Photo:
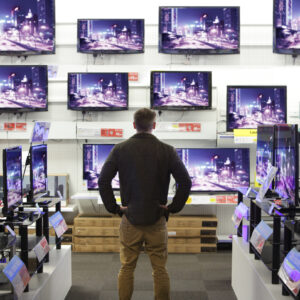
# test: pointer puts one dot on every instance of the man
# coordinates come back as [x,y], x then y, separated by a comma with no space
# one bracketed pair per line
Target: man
[144,164]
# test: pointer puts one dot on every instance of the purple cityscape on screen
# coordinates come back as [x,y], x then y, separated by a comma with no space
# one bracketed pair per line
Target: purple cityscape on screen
[217,169]
[39,169]
[180,89]
[287,24]
[286,161]
[23,87]
[111,35]
[98,90]
[250,107]
[199,28]
[14,176]
[94,157]
[27,26]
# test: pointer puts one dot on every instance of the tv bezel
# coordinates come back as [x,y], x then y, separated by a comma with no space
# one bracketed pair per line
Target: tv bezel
[252,86]
[83,152]
[225,191]
[6,209]
[41,52]
[182,108]
[198,51]
[296,202]
[21,110]
[95,52]
[97,108]
[32,195]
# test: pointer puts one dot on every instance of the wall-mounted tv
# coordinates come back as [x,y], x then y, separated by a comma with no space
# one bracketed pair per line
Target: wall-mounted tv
[264,151]
[286,26]
[38,171]
[94,156]
[172,90]
[110,36]
[287,161]
[23,88]
[27,27]
[199,30]
[12,178]
[250,106]
[98,91]
[217,169]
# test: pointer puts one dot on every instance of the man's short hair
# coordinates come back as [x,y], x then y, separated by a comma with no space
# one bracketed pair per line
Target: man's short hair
[144,119]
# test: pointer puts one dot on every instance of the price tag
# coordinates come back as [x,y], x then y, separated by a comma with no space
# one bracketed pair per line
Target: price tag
[189,200]
[9,126]
[21,126]
[111,132]
[58,223]
[133,76]
[189,127]
[245,136]
[41,249]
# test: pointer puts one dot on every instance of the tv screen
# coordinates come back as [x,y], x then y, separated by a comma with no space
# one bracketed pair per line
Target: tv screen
[27,27]
[38,170]
[199,30]
[23,88]
[94,156]
[264,152]
[110,36]
[12,181]
[286,159]
[218,169]
[98,91]
[286,27]
[40,132]
[180,90]
[250,106]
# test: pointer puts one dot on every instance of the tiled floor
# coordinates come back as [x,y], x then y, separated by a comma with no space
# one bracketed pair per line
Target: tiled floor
[205,276]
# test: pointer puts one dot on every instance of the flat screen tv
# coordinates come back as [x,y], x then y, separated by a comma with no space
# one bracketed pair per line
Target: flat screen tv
[94,156]
[287,160]
[110,36]
[250,106]
[264,152]
[27,27]
[199,30]
[97,91]
[172,90]
[38,171]
[12,179]
[217,169]
[286,26]
[23,88]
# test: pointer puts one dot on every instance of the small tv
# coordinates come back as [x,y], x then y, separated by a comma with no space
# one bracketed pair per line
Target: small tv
[12,179]
[94,156]
[172,90]
[264,151]
[287,162]
[38,171]
[110,36]
[23,88]
[217,169]
[250,106]
[27,27]
[40,132]
[286,14]
[199,30]
[98,91]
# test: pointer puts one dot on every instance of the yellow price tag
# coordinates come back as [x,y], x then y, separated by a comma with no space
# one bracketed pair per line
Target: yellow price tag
[189,200]
[213,200]
[118,199]
[245,132]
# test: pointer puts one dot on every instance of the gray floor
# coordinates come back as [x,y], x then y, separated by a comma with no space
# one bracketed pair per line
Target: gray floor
[204,276]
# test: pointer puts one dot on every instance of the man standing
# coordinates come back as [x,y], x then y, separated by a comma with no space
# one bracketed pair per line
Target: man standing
[144,164]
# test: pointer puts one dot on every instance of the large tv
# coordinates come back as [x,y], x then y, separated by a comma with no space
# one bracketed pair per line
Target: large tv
[217,169]
[286,14]
[23,88]
[110,36]
[12,179]
[97,91]
[27,27]
[172,90]
[287,161]
[264,151]
[94,157]
[38,171]
[250,106]
[199,30]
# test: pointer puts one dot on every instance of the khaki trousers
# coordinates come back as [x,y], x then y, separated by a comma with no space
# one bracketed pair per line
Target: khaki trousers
[155,238]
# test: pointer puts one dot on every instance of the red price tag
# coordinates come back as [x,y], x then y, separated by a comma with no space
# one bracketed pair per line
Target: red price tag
[190,127]
[221,199]
[133,76]
[9,126]
[21,126]
[232,199]
[112,132]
